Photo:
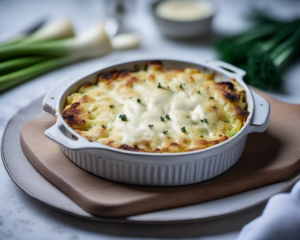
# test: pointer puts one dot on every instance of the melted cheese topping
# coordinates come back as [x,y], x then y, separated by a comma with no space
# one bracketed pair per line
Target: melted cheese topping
[157,110]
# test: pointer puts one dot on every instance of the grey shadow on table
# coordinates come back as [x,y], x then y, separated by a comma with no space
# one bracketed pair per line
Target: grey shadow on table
[206,40]
[175,230]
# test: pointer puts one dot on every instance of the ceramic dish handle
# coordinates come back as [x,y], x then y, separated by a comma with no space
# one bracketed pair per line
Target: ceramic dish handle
[230,69]
[55,133]
[260,120]
[50,100]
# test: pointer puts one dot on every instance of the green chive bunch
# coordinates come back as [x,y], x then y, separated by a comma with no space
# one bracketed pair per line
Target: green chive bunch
[265,51]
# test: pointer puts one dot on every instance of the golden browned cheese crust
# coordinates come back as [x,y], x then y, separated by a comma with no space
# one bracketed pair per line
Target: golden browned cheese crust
[157,110]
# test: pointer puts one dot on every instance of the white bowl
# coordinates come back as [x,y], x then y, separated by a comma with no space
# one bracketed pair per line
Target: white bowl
[184,29]
[160,169]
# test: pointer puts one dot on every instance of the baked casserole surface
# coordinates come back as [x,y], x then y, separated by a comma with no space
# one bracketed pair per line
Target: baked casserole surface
[157,110]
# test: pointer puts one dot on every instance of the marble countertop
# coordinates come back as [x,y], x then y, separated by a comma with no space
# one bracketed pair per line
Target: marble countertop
[21,217]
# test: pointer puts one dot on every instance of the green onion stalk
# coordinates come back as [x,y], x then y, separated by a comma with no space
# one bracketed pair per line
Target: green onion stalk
[263,52]
[19,63]
[265,64]
[54,30]
[234,49]
[12,79]
[89,44]
[52,55]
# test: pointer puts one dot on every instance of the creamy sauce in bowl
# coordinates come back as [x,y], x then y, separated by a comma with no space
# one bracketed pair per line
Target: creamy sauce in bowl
[183,11]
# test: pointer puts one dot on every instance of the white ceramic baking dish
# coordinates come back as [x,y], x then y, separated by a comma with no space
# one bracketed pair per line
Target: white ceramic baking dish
[160,169]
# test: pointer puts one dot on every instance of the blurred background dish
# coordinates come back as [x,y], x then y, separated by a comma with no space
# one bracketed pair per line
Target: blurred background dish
[183,19]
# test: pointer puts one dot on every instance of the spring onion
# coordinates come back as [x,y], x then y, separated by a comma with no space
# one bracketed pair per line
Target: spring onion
[19,63]
[59,29]
[53,46]
[263,52]
[12,79]
[90,44]
[125,41]
[55,30]
[233,49]
[265,65]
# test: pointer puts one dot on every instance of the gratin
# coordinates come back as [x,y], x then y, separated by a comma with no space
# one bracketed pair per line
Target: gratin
[157,110]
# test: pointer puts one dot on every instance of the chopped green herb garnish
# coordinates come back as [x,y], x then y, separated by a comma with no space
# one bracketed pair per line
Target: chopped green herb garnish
[188,117]
[198,92]
[139,100]
[211,97]
[204,120]
[183,129]
[103,126]
[168,117]
[150,126]
[162,118]
[144,80]
[159,86]
[165,132]
[111,106]
[201,136]
[123,117]
[180,85]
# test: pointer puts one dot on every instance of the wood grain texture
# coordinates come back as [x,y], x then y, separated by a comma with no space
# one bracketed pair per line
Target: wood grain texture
[269,157]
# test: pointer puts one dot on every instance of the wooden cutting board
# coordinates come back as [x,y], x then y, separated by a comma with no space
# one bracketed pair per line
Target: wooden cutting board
[269,157]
